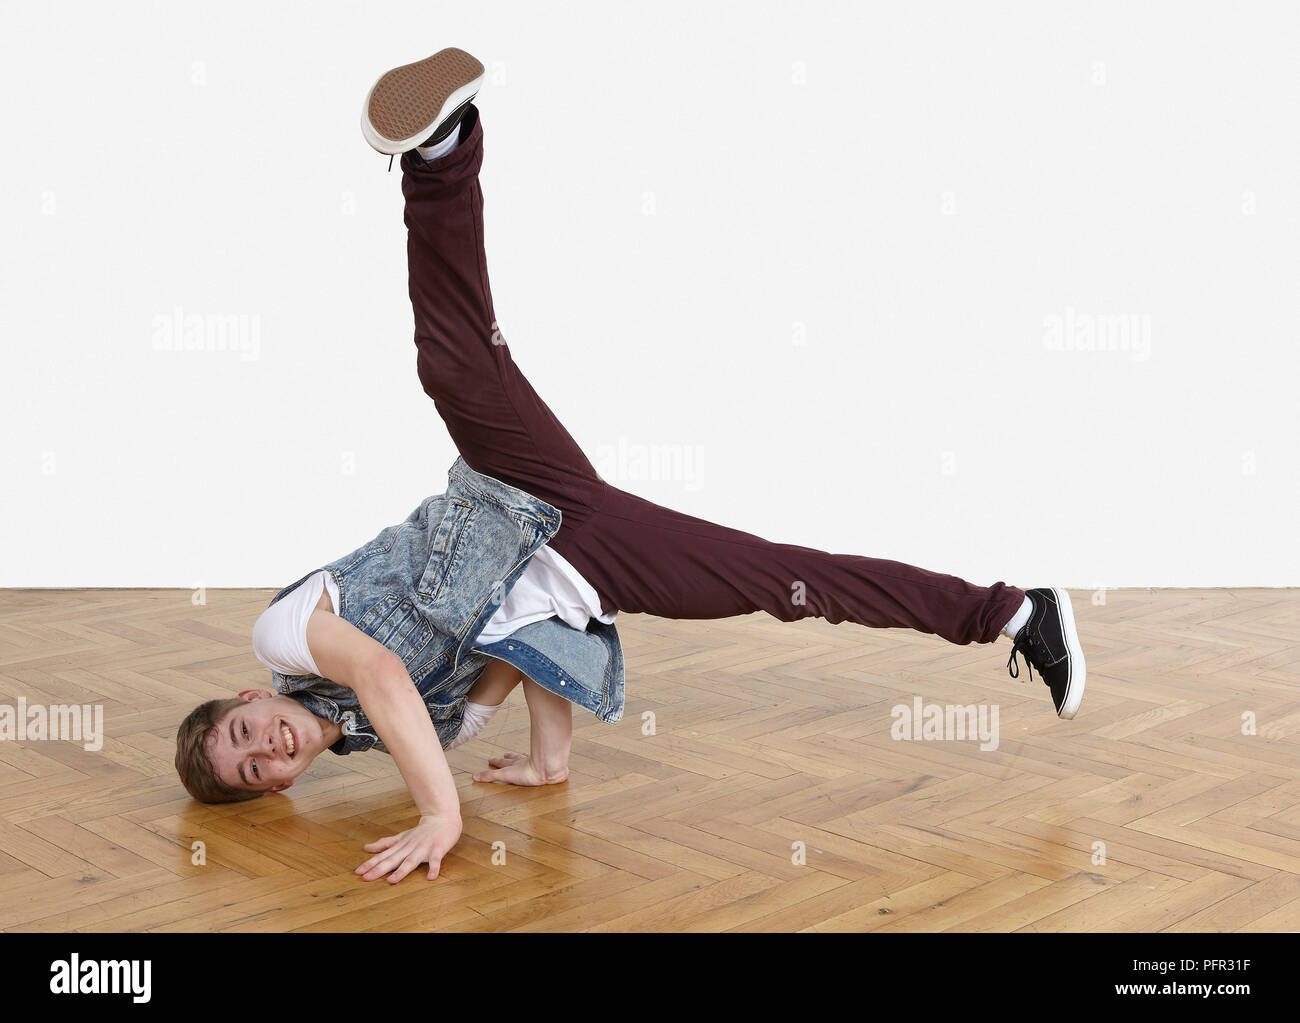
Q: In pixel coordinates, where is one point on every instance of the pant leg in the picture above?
(640, 557)
(643, 557)
(499, 424)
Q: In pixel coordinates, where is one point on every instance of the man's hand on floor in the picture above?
(519, 769)
(428, 842)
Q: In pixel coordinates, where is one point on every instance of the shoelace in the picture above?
(1021, 644)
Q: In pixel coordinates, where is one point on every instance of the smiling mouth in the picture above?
(286, 737)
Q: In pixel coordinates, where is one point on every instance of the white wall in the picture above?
(815, 250)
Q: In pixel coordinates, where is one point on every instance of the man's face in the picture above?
(253, 743)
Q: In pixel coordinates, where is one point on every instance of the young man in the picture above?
(515, 574)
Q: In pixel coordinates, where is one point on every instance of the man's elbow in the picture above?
(384, 675)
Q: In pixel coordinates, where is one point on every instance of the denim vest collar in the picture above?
(425, 588)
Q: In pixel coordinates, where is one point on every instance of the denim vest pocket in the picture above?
(394, 621)
(444, 546)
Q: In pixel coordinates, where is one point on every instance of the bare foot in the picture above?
(518, 769)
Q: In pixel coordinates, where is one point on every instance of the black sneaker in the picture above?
(418, 104)
(1050, 643)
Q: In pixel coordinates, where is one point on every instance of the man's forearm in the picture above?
(402, 721)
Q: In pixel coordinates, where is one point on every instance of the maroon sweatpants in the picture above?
(637, 555)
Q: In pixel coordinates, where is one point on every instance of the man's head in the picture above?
(230, 750)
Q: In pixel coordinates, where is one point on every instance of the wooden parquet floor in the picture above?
(1172, 802)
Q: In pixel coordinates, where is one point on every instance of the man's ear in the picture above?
(256, 694)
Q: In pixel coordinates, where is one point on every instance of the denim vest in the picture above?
(426, 587)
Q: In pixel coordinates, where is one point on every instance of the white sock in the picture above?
(442, 148)
(1018, 619)
(476, 716)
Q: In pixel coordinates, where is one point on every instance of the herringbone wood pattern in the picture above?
(765, 735)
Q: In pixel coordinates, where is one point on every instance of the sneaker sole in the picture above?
(406, 105)
(1078, 667)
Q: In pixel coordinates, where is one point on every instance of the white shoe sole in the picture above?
(425, 81)
(1078, 667)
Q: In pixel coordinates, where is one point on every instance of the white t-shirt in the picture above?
(549, 586)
